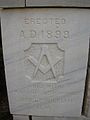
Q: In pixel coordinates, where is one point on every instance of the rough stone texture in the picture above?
(70, 3)
(12, 3)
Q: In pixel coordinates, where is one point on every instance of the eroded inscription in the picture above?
(47, 34)
(45, 60)
(44, 57)
(44, 54)
(38, 20)
(45, 31)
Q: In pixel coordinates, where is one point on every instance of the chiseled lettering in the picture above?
(26, 20)
(57, 21)
(32, 33)
(22, 34)
(49, 34)
(63, 20)
(32, 20)
(38, 20)
(44, 34)
(46, 20)
(66, 34)
(57, 33)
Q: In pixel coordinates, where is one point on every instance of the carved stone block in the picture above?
(45, 56)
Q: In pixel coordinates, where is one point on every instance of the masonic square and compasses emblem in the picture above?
(44, 60)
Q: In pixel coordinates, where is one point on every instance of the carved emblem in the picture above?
(46, 59)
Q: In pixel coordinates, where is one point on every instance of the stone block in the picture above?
(45, 57)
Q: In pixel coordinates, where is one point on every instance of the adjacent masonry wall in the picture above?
(69, 3)
(41, 3)
(12, 3)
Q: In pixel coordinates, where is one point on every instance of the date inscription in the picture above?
(48, 28)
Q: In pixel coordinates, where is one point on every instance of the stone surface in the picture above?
(58, 118)
(18, 117)
(70, 3)
(42, 118)
(45, 56)
(12, 3)
(60, 3)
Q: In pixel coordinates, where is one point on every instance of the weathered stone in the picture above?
(69, 3)
(42, 118)
(45, 56)
(59, 118)
(22, 117)
(12, 3)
